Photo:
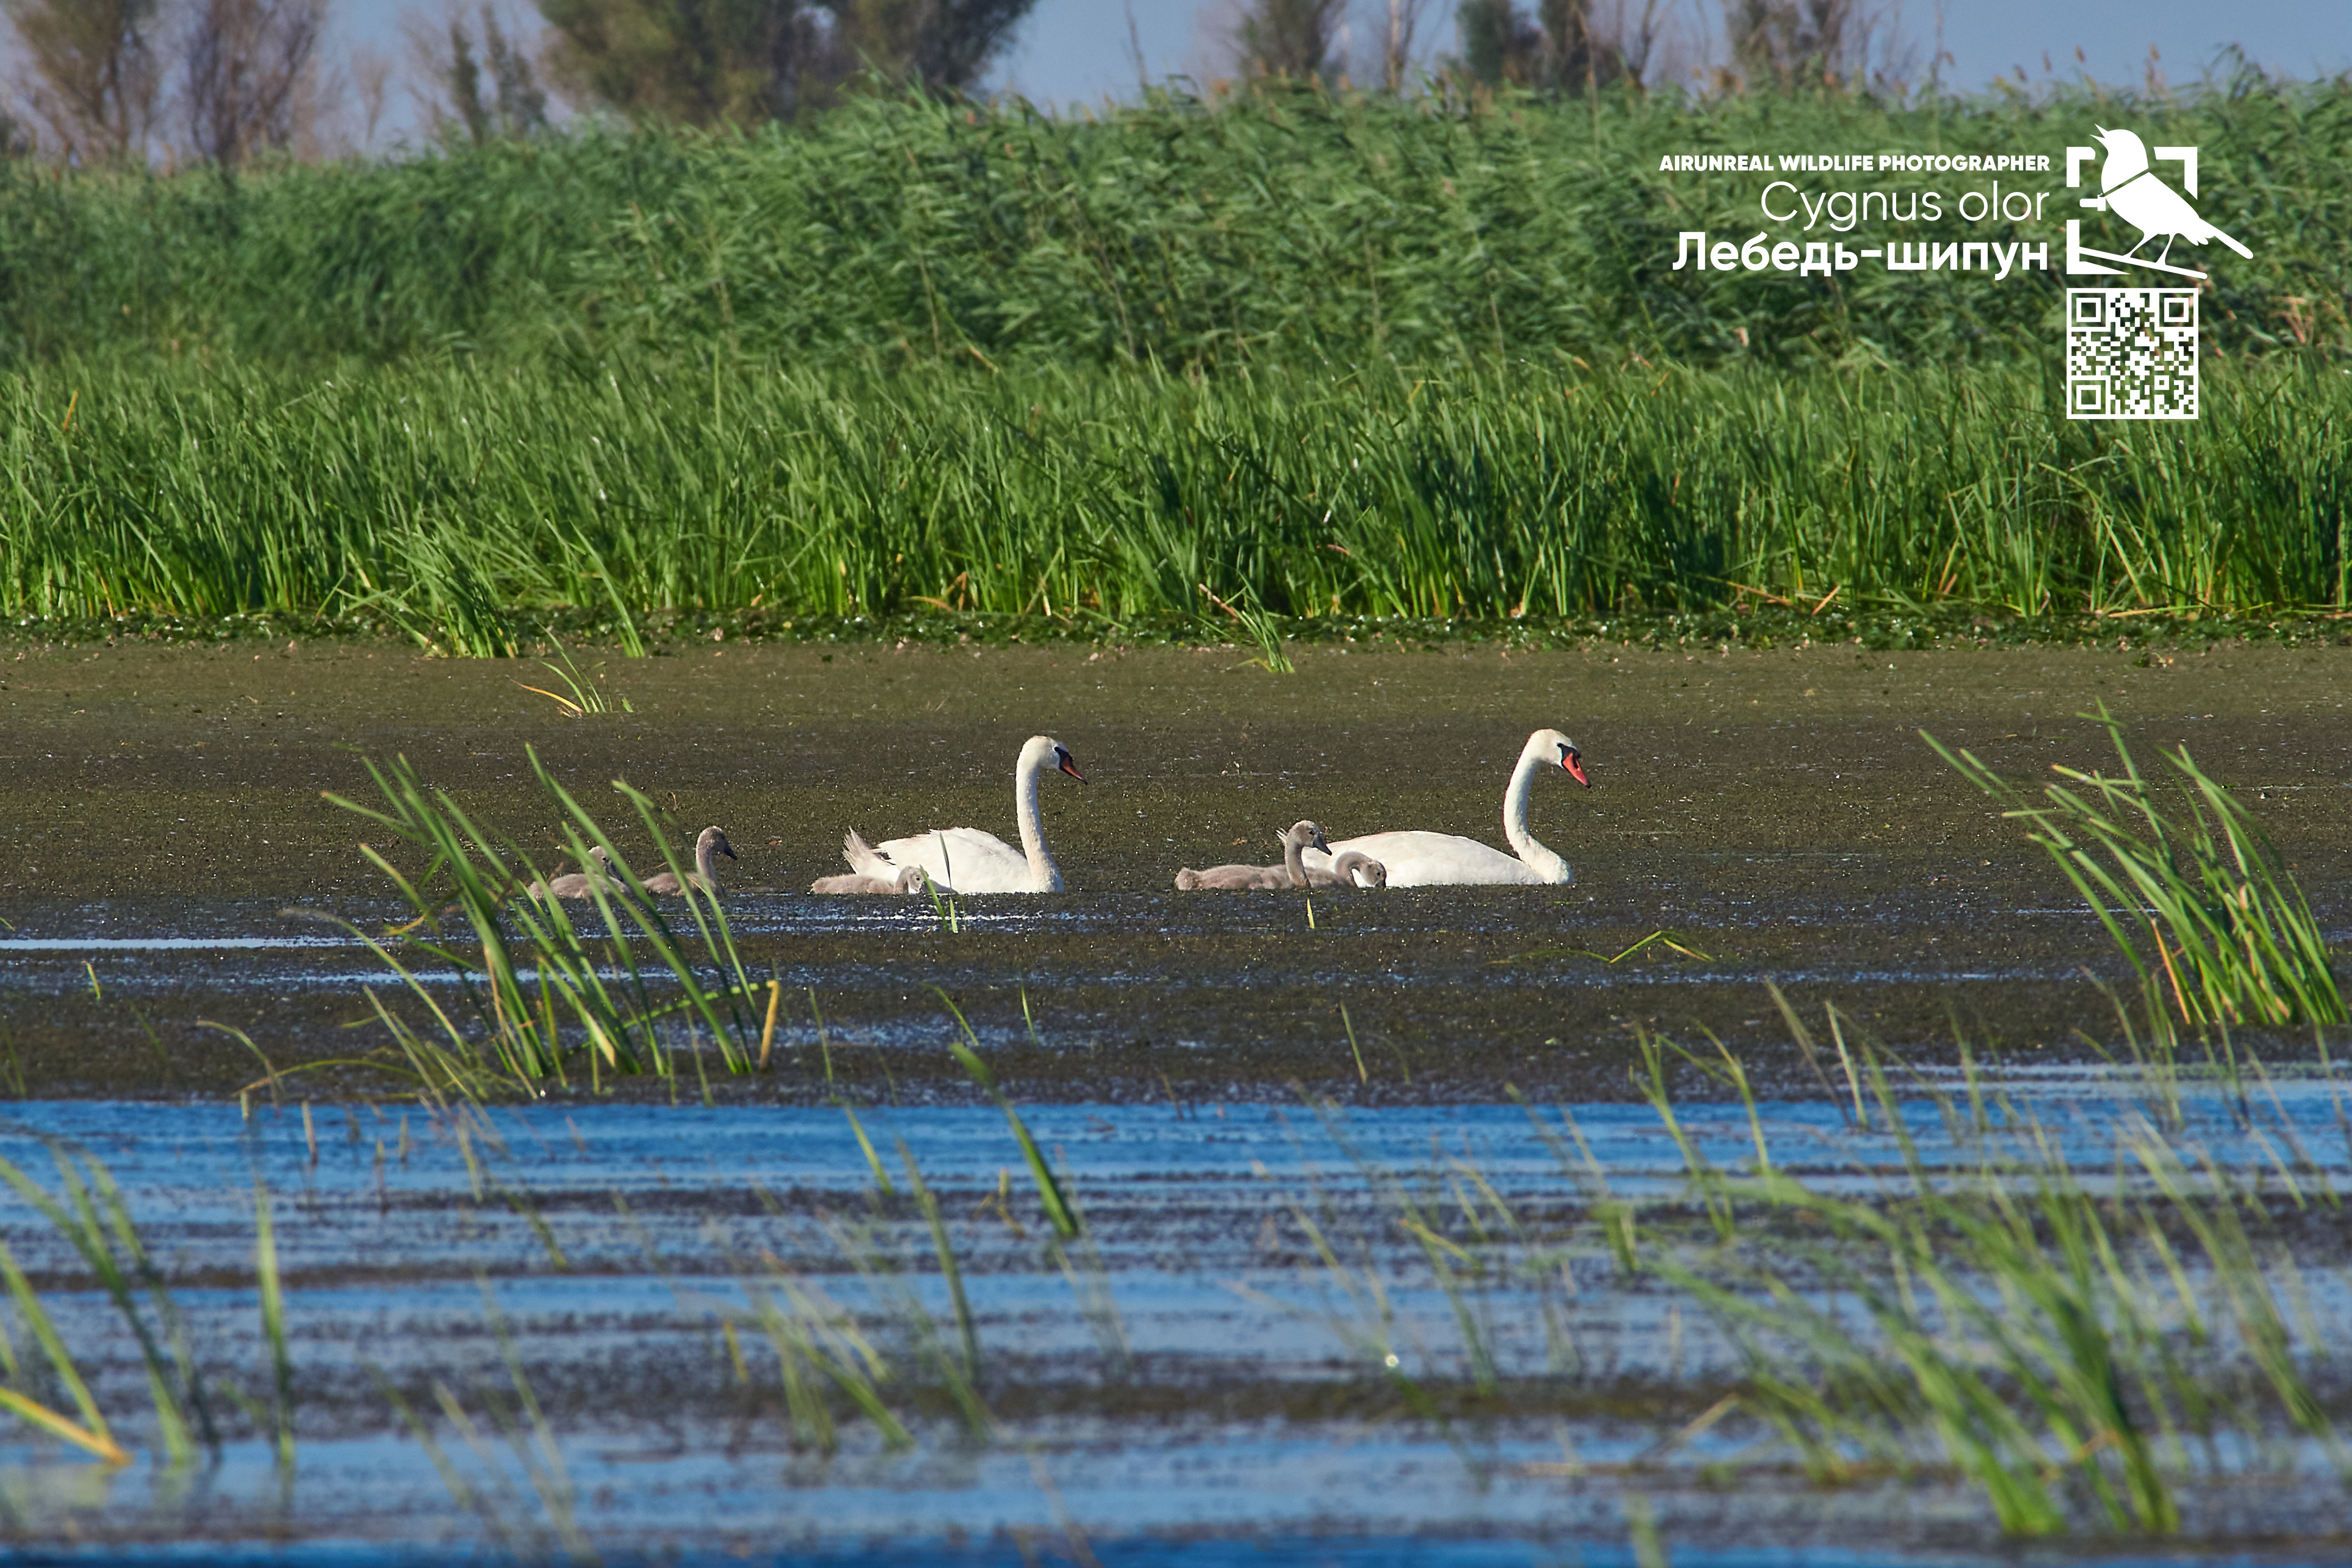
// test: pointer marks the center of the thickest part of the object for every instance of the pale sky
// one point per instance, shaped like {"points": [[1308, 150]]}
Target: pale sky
{"points": [[1081, 50]]}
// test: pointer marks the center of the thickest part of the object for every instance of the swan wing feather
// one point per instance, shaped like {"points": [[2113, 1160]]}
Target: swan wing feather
{"points": [[961, 861], [1418, 858]]}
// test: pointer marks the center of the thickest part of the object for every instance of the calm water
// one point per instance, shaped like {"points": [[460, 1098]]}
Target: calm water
{"points": [[1192, 1384]]}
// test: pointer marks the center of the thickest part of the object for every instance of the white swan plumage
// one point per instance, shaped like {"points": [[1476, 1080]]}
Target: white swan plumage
{"points": [[1416, 859], [968, 859]]}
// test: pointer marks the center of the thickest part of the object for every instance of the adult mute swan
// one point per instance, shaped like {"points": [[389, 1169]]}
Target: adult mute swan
{"points": [[908, 880], [967, 860], [705, 875], [1256, 879], [1420, 859]]}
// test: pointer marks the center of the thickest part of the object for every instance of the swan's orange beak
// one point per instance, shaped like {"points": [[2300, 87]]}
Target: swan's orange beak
{"points": [[1068, 767], [1568, 760]]}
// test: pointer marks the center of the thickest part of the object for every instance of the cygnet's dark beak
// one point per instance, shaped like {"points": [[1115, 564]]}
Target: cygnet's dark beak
{"points": [[729, 851]]}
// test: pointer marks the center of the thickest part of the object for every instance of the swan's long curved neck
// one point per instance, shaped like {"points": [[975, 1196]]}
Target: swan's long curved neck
{"points": [[706, 864], [1045, 877], [1294, 860], [1540, 860]]}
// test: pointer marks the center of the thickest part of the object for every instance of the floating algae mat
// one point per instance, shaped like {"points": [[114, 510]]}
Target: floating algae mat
{"points": [[1776, 809]]}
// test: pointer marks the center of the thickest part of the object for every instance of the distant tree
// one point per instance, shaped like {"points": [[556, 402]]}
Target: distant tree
{"points": [[1500, 43], [701, 62], [1557, 48], [1403, 22], [944, 44], [371, 72], [1289, 37], [1785, 43], [249, 65], [494, 95], [707, 62], [91, 76]]}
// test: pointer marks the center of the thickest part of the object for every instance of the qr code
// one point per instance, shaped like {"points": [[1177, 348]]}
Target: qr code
{"points": [[2131, 353]]}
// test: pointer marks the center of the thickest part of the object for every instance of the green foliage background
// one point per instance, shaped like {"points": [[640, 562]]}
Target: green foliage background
{"points": [[1316, 355], [1291, 227]]}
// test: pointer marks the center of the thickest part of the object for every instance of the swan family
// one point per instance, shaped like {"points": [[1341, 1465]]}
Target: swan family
{"points": [[598, 875], [973, 860]]}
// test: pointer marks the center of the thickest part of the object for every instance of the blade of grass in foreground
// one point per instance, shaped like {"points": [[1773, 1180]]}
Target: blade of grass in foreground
{"points": [[273, 1325], [91, 1433], [2234, 938], [170, 1394], [1059, 1210]]}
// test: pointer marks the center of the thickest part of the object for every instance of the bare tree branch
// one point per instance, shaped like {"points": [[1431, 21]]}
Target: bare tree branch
{"points": [[248, 63], [1404, 20], [91, 76]]}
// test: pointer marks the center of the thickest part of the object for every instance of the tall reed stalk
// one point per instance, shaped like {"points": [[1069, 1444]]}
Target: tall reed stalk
{"points": [[2042, 1334], [542, 993], [2232, 937]]}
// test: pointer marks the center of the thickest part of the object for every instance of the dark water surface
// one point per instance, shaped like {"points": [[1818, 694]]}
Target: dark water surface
{"points": [[1777, 809], [1197, 1382]]}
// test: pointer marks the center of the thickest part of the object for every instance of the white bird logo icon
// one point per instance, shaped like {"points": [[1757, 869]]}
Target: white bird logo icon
{"points": [[2128, 188]]}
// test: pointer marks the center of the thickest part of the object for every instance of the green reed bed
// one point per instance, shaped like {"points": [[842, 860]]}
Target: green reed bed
{"points": [[2077, 1350], [1268, 227], [470, 504], [544, 995], [2234, 938]]}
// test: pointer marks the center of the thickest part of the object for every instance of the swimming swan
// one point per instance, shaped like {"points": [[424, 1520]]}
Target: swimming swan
{"points": [[1350, 869], [1420, 859], [1253, 879], [966, 859], [908, 880], [577, 884], [705, 875]]}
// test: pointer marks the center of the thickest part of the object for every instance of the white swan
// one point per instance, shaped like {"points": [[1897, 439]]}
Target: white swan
{"points": [[1256, 879], [1420, 859], [705, 875], [908, 880], [967, 860]]}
